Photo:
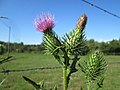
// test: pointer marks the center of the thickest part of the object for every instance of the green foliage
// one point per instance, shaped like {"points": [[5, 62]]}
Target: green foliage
{"points": [[2, 49], [52, 45], [94, 67], [92, 44], [74, 42], [53, 77], [114, 47], [110, 47], [7, 59], [3, 60], [37, 86]]}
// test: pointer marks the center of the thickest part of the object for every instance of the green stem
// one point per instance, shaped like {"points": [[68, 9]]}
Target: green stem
{"points": [[65, 77], [88, 86]]}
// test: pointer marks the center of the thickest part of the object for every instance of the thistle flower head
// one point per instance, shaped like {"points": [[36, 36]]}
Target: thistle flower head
{"points": [[44, 22], [82, 22]]}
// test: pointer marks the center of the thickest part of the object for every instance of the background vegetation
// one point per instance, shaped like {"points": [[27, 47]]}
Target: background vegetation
{"points": [[109, 48], [31, 56], [52, 77]]}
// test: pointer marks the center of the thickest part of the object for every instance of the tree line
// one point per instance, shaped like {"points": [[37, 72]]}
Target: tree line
{"points": [[109, 48]]}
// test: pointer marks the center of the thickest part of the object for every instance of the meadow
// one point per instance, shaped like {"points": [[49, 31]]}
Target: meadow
{"points": [[52, 77]]}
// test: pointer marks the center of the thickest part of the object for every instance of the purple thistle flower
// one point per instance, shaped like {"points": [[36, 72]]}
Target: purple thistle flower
{"points": [[44, 22]]}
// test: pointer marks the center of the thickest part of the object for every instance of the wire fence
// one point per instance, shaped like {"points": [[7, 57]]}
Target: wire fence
{"points": [[104, 10], [28, 69], [38, 68], [7, 59]]}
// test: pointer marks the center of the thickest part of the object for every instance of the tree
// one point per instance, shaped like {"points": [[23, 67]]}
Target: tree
{"points": [[1, 49], [92, 44], [114, 47]]}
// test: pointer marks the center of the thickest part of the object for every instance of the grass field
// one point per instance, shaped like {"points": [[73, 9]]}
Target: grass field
{"points": [[53, 77]]}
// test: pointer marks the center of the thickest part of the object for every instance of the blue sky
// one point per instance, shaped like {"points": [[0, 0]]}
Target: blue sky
{"points": [[21, 13]]}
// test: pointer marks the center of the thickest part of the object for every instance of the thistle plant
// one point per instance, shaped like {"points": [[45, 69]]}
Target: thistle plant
{"points": [[70, 44], [94, 68], [67, 51]]}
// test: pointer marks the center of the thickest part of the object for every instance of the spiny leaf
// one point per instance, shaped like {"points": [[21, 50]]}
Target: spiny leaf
{"points": [[74, 41], [51, 42], [35, 85]]}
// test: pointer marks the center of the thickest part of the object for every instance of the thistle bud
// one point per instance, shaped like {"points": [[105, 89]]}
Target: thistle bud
{"points": [[82, 22]]}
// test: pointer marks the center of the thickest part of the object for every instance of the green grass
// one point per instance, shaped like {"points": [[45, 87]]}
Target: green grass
{"points": [[53, 77]]}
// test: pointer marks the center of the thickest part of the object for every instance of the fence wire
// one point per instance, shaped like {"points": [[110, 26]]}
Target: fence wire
{"points": [[104, 10], [28, 69], [7, 59], [38, 68]]}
